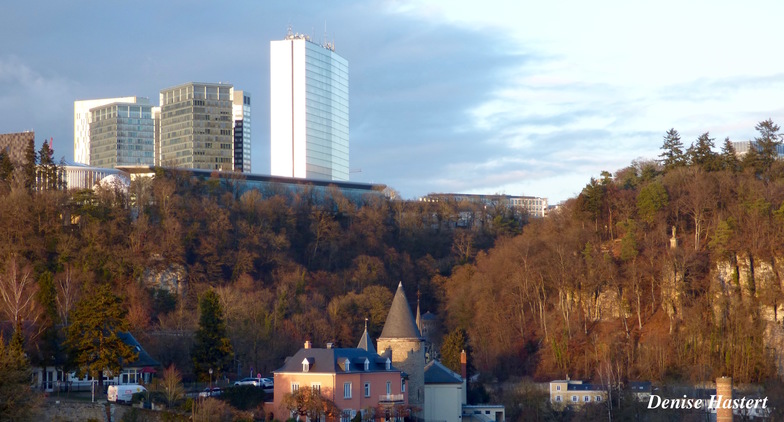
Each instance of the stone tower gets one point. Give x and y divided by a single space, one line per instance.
401 341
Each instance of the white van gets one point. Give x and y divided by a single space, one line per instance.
123 393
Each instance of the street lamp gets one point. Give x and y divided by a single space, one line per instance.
210 393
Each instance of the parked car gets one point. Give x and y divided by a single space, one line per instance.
249 381
215 391
267 383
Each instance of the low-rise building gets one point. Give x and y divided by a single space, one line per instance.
575 393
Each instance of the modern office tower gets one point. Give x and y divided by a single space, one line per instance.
156 124
82 123
14 146
242 130
308 110
121 134
197 126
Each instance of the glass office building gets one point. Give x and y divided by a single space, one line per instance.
121 134
196 129
242 130
82 123
309 130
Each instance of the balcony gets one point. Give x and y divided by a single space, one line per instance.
390 399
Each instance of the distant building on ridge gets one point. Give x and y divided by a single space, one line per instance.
242 130
309 114
82 123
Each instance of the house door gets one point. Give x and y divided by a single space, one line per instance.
49 379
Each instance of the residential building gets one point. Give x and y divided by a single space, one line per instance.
15 144
82 123
309 110
197 127
139 371
242 130
575 393
356 380
401 341
444 390
121 134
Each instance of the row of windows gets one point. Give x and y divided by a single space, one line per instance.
576 399
348 388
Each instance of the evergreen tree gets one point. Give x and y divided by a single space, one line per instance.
17 399
6 167
701 153
452 346
93 336
672 151
47 170
729 157
212 347
28 169
767 143
46 296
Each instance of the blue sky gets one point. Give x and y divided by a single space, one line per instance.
515 97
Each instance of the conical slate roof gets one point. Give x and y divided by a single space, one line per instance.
365 342
400 321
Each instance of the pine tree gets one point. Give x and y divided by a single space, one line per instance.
672 151
729 157
17 399
452 346
212 347
28 169
6 167
93 339
767 143
701 153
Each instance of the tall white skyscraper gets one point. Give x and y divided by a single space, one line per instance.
308 110
82 123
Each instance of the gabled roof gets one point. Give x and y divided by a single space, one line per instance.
143 359
437 373
331 361
400 321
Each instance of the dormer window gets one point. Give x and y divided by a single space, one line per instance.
388 364
306 364
367 364
346 365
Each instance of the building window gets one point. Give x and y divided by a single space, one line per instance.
294 387
574 399
367 365
347 390
367 389
402 386
587 398
388 364
557 388
557 398
347 365
598 398
389 388
316 387
347 415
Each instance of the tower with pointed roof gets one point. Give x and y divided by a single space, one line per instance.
402 342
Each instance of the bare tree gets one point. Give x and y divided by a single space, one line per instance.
17 290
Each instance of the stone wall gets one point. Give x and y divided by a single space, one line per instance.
71 411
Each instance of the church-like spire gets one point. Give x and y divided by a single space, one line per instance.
418 315
400 322
365 342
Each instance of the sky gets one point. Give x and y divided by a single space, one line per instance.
514 97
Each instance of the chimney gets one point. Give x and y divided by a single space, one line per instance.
723 394
329 345
307 344
464 374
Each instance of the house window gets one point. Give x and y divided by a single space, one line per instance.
347 415
388 364
294 387
402 386
557 398
347 390
587 398
367 365
305 365
598 398
367 389
316 386
389 388
557 388
574 399
347 365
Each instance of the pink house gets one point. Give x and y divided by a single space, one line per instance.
356 380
